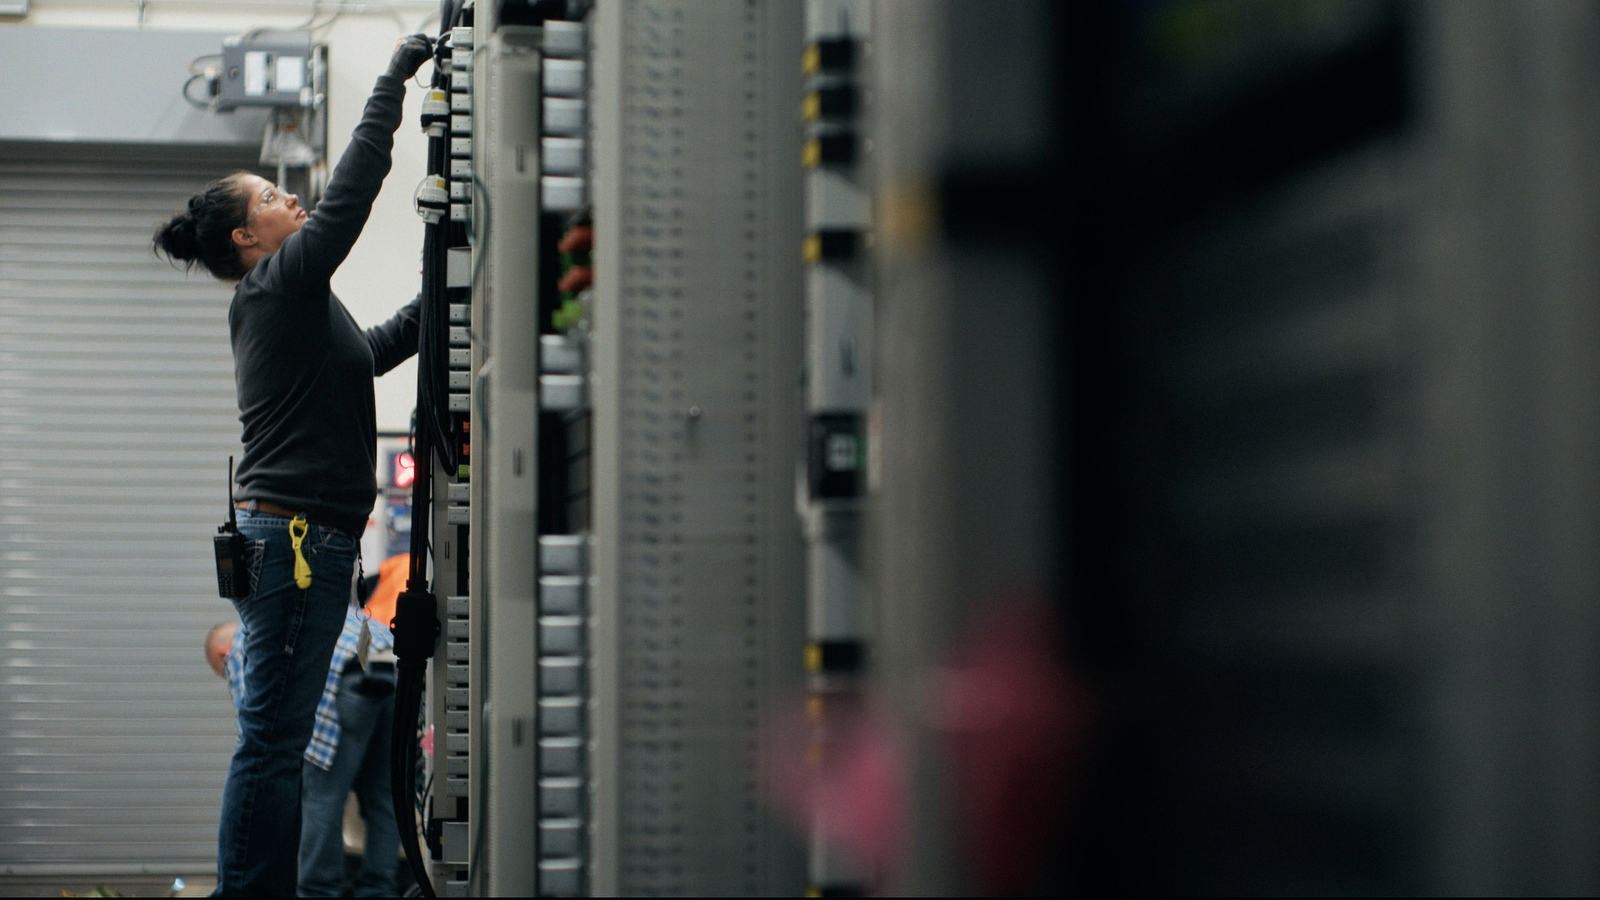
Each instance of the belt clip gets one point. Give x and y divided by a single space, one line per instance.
297 533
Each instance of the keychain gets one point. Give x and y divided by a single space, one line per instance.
302 569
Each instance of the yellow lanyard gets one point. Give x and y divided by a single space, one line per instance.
302 569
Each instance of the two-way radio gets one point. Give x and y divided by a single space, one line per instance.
233 572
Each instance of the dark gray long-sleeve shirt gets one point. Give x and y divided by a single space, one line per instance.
304 369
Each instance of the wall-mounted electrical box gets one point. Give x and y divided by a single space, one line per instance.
267 69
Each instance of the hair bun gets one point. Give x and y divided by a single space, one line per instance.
180 237
201 233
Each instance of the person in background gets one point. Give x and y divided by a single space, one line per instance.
387 586
349 751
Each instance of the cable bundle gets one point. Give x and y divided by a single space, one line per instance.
416 625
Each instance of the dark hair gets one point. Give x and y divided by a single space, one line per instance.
203 233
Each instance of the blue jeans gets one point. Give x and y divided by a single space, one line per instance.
289 638
360 763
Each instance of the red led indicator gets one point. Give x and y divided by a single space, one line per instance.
405 470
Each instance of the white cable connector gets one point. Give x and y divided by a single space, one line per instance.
436 114
433 199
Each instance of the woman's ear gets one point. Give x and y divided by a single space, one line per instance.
243 238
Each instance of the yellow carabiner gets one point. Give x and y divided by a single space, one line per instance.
302 569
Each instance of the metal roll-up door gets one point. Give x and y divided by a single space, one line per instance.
117 417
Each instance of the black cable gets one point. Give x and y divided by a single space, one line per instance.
416 628
435 277
447 20
427 346
202 104
402 774
433 343
416 624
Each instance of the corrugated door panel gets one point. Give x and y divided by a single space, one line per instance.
117 416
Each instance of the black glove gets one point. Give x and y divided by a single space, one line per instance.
409 55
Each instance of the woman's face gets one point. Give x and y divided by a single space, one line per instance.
274 215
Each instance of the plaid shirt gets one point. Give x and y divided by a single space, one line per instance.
233 670
325 733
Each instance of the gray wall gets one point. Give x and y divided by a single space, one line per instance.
112 86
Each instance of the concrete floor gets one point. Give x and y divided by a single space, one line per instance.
123 885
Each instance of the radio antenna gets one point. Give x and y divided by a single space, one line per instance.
233 514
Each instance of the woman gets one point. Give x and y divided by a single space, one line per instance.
304 373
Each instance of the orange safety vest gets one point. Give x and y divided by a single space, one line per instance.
391 581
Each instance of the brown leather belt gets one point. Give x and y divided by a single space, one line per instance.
273 509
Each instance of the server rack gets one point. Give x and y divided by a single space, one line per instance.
1345 482
509 689
1198 324
698 585
967 459
622 558
838 365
